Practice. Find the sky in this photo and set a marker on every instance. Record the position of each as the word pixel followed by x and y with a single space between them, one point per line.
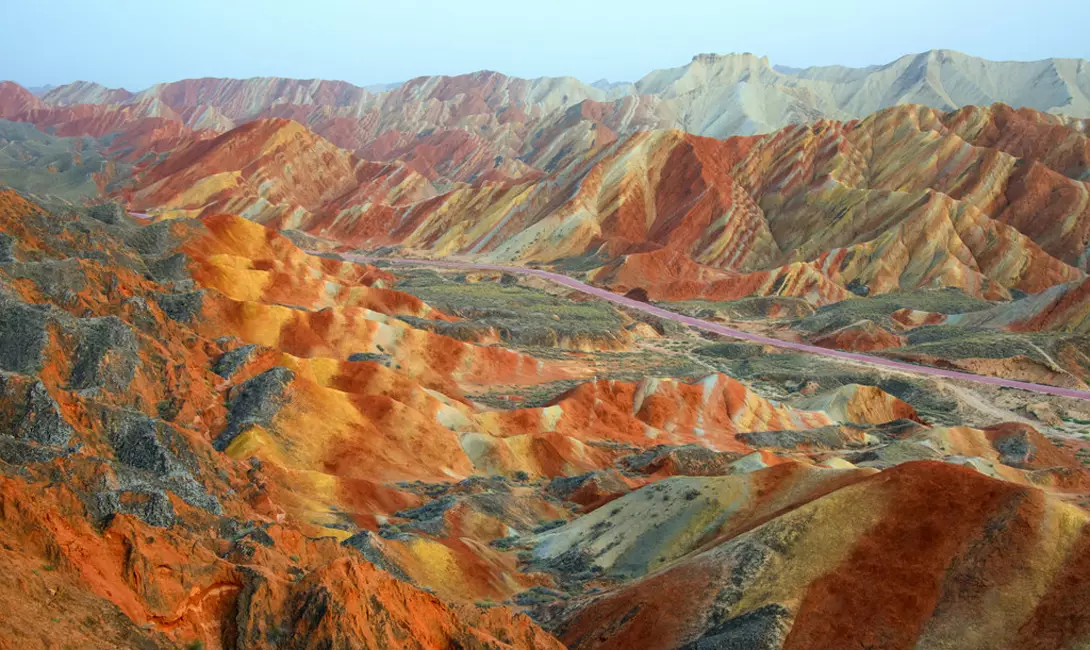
pixel 135 43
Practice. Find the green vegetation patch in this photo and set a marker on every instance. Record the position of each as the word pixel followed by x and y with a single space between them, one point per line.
pixel 731 350
pixel 878 308
pixel 956 342
pixel 50 168
pixel 743 309
pixel 522 315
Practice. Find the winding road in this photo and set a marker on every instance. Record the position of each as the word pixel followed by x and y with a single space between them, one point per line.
pixel 716 328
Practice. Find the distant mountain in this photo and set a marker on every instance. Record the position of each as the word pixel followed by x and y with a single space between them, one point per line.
pixel 990 199
pixel 490 126
pixel 86 92
pixel 40 90
pixel 908 198
pixel 382 88
pixel 716 95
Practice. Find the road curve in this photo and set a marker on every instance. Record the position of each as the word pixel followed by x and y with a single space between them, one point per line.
pixel 606 294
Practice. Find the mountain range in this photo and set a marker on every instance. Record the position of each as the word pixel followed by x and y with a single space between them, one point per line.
pixel 502 119
pixel 233 416
pixel 907 197
pixel 713 95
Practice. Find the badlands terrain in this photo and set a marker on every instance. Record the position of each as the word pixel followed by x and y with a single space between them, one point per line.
pixel 241 407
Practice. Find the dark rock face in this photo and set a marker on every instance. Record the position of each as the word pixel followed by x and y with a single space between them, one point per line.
pixel 430 510
pixel 538 595
pixel 256 401
pixel 110 213
pixel 688 460
pixel 460 330
pixel 137 445
pixel 637 293
pixel 59 280
pixel 21 452
pixel 137 312
pixel 169 269
pixel 383 359
pixel 28 412
pixel 182 307
pixel 169 408
pixel 858 288
pixel 830 437
pixel 365 543
pixel 151 505
pixel 32 429
pixel 764 628
pixel 189 490
pixel 259 536
pixel 7 248
pixel 153 240
pixel 563 486
pixel 429 518
pixel 233 360
pixel 153 456
pixel 106 357
pixel 254 629
pixel 1016 450
pixel 23 335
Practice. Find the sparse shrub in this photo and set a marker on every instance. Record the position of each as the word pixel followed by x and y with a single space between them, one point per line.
pixel 555 523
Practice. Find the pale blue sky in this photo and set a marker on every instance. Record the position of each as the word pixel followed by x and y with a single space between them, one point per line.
pixel 134 43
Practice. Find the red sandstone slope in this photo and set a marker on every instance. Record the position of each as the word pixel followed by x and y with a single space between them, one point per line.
pixel 448 155
pixel 16 100
pixel 896 201
pixel 907 573
pixel 1061 144
pixel 989 200
pixel 654 190
pixel 207 435
pixel 274 171
pixel 500 113
pixel 864 219
pixel 909 197
pixel 900 173
pixel 154 538
pixel 1062 308
pixel 138 129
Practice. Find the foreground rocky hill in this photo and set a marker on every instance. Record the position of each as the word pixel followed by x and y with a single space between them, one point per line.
pixel 213 439
pixel 124 525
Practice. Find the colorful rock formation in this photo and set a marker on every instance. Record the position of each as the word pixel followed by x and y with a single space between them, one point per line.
pixel 209 436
